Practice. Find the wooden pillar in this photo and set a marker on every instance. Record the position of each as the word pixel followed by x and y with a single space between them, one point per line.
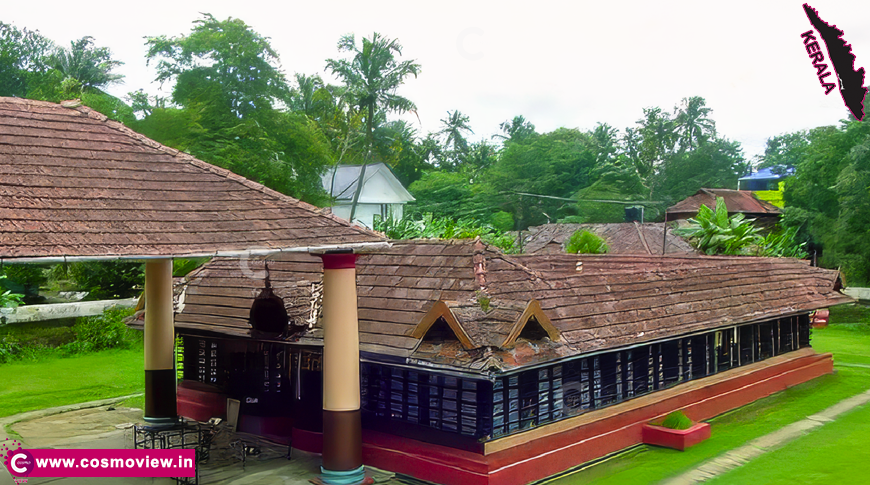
pixel 160 403
pixel 342 430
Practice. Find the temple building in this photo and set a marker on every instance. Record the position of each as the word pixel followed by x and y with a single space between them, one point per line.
pixel 482 367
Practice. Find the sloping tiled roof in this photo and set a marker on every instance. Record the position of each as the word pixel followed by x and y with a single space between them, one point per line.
pixel 594 302
pixel 735 200
pixel 73 183
pixel 622 238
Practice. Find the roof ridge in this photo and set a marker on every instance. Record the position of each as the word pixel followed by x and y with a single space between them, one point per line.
pixel 222 172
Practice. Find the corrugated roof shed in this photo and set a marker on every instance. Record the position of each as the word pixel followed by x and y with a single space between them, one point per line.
pixel 593 302
pixel 741 201
pixel 73 183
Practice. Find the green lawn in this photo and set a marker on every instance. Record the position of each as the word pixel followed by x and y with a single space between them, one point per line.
pixel 55 381
pixel 850 343
pixel 836 453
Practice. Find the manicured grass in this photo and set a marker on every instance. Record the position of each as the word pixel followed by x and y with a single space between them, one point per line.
pixel 850 344
pixel 835 453
pixel 55 381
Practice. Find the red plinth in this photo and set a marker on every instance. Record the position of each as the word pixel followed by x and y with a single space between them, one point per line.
pixel 678 439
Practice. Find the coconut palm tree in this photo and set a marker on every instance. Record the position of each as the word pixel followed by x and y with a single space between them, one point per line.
pixel 454 128
pixel 372 75
pixel 693 122
pixel 86 65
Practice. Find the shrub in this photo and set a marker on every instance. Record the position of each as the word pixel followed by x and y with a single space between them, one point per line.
pixel 9 348
pixel 432 227
pixel 783 245
pixel 103 332
pixel 32 335
pixel 8 299
pixel 677 420
pixel 502 221
pixel 27 277
pixel 584 242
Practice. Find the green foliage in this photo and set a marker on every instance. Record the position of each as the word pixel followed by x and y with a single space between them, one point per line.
pixel 85 67
pixel 715 163
pixel 783 244
pixel 784 151
pixel 35 341
pixel 431 227
pixel 616 180
pixel 9 299
pixel 451 194
pixel 23 55
pixel 181 267
pixel 714 232
pixel 828 198
pixel 106 331
pixel 371 76
pixel 677 420
pixel 108 279
pixel 223 68
pixel 554 164
pixel 584 242
pixel 502 221
pixel 227 82
pixel 25 274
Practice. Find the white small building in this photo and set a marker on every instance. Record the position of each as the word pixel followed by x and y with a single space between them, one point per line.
pixel 382 193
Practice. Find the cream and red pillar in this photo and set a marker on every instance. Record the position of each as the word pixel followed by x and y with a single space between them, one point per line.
pixel 342 430
pixel 160 403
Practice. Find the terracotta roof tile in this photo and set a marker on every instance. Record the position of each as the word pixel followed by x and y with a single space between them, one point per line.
pixel 622 238
pixel 596 302
pixel 73 183
pixel 741 201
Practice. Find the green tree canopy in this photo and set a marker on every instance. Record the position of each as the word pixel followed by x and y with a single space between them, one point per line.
pixel 222 67
pixel 227 85
pixel 23 60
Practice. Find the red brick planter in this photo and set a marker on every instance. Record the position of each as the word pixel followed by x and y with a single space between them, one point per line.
pixel 678 439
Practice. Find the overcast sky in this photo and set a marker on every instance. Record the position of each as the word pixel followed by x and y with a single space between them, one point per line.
pixel 565 63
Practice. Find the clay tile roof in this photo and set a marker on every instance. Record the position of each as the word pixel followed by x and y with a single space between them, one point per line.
pixel 593 302
pixel 741 201
pixel 606 301
pixel 73 183
pixel 622 238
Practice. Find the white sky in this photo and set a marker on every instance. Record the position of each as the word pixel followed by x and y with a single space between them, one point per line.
pixel 558 63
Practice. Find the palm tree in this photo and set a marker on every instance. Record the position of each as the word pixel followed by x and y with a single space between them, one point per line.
pixel 693 122
pixel 657 138
pixel 455 125
pixel 86 65
pixel 372 76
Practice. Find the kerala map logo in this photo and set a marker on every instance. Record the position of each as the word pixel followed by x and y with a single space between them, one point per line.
pixel 851 81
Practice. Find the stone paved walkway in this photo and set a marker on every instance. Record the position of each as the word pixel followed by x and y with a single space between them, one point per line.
pixel 740 456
